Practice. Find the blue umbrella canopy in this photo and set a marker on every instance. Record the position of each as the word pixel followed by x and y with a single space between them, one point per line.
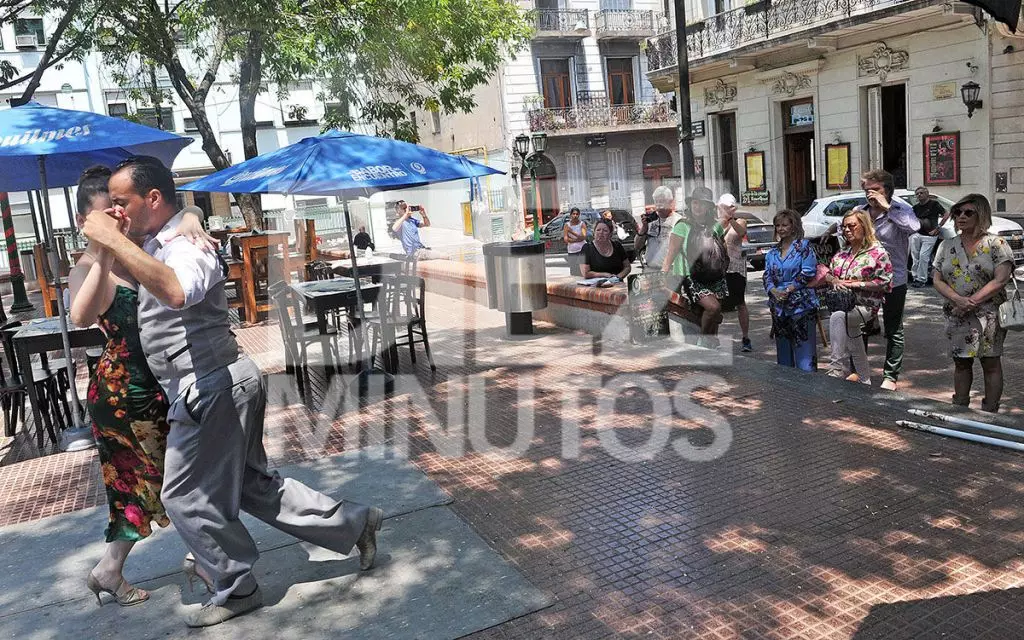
pixel 71 141
pixel 340 163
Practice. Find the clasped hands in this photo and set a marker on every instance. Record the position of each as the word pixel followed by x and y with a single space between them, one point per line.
pixel 106 227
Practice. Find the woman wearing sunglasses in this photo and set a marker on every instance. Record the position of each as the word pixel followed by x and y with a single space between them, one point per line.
pixel 971 272
pixel 864 268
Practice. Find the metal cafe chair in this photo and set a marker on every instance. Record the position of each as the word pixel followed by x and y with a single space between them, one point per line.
pixel 401 320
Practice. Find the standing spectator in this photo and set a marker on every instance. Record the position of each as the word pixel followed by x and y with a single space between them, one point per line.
pixel 407 228
pixel 363 240
pixel 864 268
pixel 655 228
pixel 698 255
pixel 605 257
pixel 789 267
pixel 971 272
pixel 733 229
pixel 928 211
pixel 574 233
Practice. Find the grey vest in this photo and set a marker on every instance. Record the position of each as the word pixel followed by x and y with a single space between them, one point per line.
pixel 183 345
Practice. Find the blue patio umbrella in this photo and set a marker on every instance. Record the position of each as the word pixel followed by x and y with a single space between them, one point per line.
pixel 43 147
pixel 342 164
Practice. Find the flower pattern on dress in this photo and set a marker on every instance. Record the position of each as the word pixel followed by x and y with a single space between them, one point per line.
pixel 129 414
pixel 871 264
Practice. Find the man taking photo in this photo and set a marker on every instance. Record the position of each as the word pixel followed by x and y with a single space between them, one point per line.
pixel 655 228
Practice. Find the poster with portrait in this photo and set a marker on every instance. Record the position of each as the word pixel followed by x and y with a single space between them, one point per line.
pixel 837 165
pixel 753 162
pixel 698 167
pixel 942 158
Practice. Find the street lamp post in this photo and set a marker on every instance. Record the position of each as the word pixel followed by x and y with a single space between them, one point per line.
pixel 530 161
pixel 685 133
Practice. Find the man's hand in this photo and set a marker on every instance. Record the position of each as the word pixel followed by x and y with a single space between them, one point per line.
pixel 105 227
pixel 933 232
pixel 878 199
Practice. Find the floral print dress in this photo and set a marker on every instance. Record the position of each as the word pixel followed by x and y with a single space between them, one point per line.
pixel 129 416
pixel 977 334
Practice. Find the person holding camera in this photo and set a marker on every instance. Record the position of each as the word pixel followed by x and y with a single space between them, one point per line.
pixel 733 229
pixel 656 226
pixel 407 228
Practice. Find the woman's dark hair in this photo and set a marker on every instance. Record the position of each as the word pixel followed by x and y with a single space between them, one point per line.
pixel 608 223
pixel 91 183
pixel 574 210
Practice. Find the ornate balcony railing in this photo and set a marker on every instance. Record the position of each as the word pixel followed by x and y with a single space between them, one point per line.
pixel 599 113
pixel 618 21
pixel 734 29
pixel 561 20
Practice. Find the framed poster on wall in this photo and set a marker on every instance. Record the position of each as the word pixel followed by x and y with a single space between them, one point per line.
pixel 942 158
pixel 753 163
pixel 837 166
pixel 698 167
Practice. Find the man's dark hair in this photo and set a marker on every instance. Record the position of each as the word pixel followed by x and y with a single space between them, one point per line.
pixel 880 176
pixel 148 173
pixel 91 183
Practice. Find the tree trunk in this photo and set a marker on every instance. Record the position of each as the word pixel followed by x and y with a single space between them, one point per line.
pixel 250 78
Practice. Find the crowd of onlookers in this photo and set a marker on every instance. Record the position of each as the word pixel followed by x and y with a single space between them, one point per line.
pixel 849 284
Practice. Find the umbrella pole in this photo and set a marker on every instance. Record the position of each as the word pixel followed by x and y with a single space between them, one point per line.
pixel 78 437
pixel 362 380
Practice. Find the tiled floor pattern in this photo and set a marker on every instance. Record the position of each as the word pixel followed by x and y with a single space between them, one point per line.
pixel 820 520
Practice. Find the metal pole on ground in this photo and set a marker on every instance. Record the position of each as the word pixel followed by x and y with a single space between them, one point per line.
pixel 20 302
pixel 684 132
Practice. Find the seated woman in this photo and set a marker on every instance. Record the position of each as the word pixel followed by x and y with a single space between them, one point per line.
pixel 971 272
pixel 605 258
pixel 788 268
pixel 863 267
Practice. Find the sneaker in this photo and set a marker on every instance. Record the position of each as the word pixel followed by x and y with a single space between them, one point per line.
pixel 210 614
pixel 747 347
pixel 889 384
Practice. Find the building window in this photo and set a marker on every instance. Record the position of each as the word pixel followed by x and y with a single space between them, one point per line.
pixel 621 86
pixel 148 117
pixel 435 121
pixel 117 109
pixel 28 32
pixel 556 84
pixel 300 85
pixel 190 125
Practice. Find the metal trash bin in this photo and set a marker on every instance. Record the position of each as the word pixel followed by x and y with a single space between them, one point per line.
pixel 516 282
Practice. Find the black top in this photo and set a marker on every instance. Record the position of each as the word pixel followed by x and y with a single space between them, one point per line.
pixel 611 264
pixel 929 213
pixel 363 240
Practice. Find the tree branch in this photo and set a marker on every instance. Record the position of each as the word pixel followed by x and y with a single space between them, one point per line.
pixel 211 71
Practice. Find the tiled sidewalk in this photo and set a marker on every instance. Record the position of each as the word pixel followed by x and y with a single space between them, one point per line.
pixel 819 520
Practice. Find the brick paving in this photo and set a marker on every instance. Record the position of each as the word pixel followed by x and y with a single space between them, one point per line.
pixel 820 520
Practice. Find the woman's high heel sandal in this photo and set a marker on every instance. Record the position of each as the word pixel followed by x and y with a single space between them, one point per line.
pixel 131 597
pixel 188 567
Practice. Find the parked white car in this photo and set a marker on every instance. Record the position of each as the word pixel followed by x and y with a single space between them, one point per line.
pixel 827 211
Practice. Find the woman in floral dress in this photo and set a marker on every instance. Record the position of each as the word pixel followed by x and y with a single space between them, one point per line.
pixel 127 406
pixel 971 272
pixel 864 268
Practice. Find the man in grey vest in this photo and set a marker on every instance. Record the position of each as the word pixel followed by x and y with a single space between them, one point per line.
pixel 215 464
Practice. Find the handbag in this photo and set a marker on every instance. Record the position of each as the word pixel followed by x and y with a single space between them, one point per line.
pixel 1011 312
pixel 712 260
pixel 837 299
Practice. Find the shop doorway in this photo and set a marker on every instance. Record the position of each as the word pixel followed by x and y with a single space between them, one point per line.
pixel 657 165
pixel 887 131
pixel 798 140
pixel 726 165
pixel 546 194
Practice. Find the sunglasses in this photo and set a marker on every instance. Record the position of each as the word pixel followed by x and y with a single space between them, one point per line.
pixel 965 213
pixel 851 227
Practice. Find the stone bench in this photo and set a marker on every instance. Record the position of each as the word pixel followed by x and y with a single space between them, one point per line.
pixel 597 311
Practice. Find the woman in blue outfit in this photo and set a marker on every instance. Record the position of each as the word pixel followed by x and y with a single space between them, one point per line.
pixel 788 268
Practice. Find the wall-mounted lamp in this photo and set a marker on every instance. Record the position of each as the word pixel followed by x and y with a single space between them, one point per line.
pixel 936 126
pixel 836 138
pixel 970 93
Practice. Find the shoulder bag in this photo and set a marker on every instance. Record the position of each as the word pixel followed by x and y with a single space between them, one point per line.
pixel 1011 312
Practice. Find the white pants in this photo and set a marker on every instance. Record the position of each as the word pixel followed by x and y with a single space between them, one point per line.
pixel 845 335
pixel 921 253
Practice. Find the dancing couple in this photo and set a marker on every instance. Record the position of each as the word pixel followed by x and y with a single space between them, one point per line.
pixel 177 410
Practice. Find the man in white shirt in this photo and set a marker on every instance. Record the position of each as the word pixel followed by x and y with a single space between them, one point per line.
pixel 215 464
pixel 655 228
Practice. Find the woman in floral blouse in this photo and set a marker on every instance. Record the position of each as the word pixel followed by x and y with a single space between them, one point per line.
pixel 971 272
pixel 789 266
pixel 864 268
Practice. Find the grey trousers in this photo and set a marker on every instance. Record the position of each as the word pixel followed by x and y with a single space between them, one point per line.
pixel 216 466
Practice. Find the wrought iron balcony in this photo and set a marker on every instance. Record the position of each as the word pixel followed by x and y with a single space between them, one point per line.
pixel 618 23
pixel 561 22
pixel 598 115
pixel 732 30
